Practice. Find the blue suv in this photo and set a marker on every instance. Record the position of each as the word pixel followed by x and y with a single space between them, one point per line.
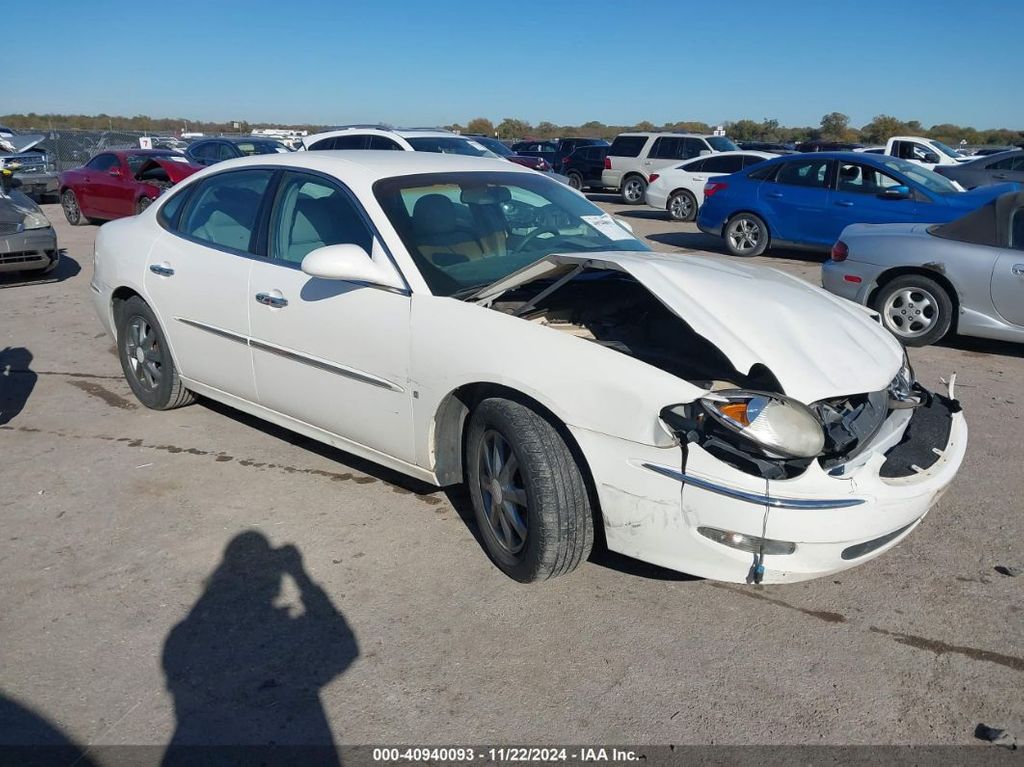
pixel 806 200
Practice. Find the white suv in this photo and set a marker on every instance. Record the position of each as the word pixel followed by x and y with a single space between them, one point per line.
pixel 632 158
pixel 408 140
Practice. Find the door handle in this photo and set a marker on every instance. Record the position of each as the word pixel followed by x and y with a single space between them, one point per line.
pixel 776 195
pixel 161 269
pixel 1017 270
pixel 268 300
pixel 845 204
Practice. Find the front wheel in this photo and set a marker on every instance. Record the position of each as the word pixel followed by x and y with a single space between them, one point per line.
pixel 146 359
pixel 915 309
pixel 72 210
pixel 682 206
pixel 633 190
pixel 529 496
pixel 746 235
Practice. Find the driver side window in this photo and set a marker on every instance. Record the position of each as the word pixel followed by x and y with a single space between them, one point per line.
pixel 103 162
pixel 310 213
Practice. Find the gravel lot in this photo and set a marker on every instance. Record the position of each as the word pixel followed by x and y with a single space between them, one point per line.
pixel 115 521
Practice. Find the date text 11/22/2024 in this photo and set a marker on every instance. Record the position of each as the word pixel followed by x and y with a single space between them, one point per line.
pixel 503 754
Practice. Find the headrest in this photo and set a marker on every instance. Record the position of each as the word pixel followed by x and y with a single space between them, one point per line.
pixel 433 214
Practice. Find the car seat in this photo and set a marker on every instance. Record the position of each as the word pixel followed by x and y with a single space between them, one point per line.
pixel 440 238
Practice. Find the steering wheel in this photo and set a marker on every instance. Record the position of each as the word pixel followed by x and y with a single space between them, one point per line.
pixel 534 235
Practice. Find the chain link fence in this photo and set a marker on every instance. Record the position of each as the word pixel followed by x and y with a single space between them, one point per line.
pixel 69 147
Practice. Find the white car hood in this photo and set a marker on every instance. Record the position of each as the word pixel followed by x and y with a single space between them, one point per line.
pixel 817 345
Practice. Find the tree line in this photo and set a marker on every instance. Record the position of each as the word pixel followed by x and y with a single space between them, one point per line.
pixel 835 126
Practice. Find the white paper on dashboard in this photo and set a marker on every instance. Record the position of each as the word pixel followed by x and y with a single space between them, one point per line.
pixel 606 225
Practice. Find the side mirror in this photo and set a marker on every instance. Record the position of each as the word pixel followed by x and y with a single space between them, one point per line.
pixel 896 193
pixel 345 262
pixel 704 153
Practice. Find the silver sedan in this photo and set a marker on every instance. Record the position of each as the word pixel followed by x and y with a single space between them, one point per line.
pixel 925 281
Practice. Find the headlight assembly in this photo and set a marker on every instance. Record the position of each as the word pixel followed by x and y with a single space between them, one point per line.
pixel 778 425
pixel 35 221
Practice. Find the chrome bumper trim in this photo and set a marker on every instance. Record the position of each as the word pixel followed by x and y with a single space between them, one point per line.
pixel 755 498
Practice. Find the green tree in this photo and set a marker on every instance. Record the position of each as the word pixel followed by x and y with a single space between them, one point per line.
pixel 546 129
pixel 883 128
pixel 511 127
pixel 743 130
pixel 480 125
pixel 835 126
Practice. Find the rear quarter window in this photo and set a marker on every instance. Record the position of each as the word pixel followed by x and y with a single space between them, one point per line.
pixel 627 146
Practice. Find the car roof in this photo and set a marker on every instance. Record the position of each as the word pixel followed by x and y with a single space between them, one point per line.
pixel 378 164
pixel 994 156
pixel 402 132
pixel 665 133
pixel 743 152
pixel 237 139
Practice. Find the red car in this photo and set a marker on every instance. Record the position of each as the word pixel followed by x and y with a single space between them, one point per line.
pixel 120 183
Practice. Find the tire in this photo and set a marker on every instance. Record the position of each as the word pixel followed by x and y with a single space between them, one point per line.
pixel 72 212
pixel 746 235
pixel 555 530
pixel 142 204
pixel 146 360
pixel 575 180
pixel 633 190
pixel 682 206
pixel 915 309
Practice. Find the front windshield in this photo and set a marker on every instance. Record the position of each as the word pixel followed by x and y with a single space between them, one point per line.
pixel 451 145
pixel 946 150
pixel 722 144
pixel 466 230
pixel 929 179
pixel 495 146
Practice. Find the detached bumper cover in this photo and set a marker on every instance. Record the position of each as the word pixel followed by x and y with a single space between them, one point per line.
pixel 28 250
pixel 652 509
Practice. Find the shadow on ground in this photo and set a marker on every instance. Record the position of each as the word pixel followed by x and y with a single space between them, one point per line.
pixel 67 268
pixel 17 380
pixel 981 347
pixel 27 738
pixel 245 667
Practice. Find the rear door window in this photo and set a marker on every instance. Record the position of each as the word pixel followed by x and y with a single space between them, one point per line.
pixel 811 172
pixel 350 142
pixel 627 146
pixel 383 142
pixel 324 143
pixel 727 164
pixel 223 209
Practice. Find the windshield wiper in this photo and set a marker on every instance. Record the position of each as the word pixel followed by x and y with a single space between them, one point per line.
pixel 468 292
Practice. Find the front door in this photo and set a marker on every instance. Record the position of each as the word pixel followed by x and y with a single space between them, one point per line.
pixel 330 353
pixel 1008 274
pixel 198 274
pixel 858 198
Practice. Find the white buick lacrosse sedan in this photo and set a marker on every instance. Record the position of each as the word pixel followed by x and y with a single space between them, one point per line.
pixel 463 320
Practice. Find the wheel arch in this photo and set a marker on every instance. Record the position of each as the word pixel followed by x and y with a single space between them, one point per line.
pixel 938 276
pixel 448 433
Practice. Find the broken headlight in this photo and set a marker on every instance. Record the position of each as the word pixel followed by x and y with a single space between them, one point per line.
pixel 781 427
pixel 902 392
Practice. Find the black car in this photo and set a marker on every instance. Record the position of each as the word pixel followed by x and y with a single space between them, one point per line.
pixel 207 151
pixel 584 167
pixel 767 146
pixel 820 145
pixel 555 151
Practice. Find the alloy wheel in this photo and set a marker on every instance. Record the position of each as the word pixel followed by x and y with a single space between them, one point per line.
pixel 142 350
pixel 744 235
pixel 503 492
pixel 633 190
pixel 911 312
pixel 69 202
pixel 681 207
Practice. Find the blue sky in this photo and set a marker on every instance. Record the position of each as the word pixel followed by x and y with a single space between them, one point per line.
pixel 437 61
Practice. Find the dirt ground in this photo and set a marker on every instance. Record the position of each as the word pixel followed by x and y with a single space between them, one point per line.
pixel 142 552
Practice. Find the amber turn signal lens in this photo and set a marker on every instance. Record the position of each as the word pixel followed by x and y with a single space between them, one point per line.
pixel 737 411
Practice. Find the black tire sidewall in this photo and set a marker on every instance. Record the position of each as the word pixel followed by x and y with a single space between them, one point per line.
pixel 577 178
pixel 159 398
pixel 945 305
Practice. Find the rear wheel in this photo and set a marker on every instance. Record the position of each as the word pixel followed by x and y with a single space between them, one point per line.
pixel 72 211
pixel 633 190
pixel 575 180
pixel 746 235
pixel 682 206
pixel 146 359
pixel 915 309
pixel 529 496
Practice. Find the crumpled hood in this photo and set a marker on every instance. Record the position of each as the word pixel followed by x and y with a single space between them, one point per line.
pixel 817 345
pixel 177 168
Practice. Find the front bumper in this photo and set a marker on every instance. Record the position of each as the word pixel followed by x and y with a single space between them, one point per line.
pixel 653 511
pixel 29 250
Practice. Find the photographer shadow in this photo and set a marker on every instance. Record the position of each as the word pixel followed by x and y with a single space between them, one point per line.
pixel 246 670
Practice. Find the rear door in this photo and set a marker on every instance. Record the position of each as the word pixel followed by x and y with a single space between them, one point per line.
pixel 198 278
pixel 1008 274
pixel 796 201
